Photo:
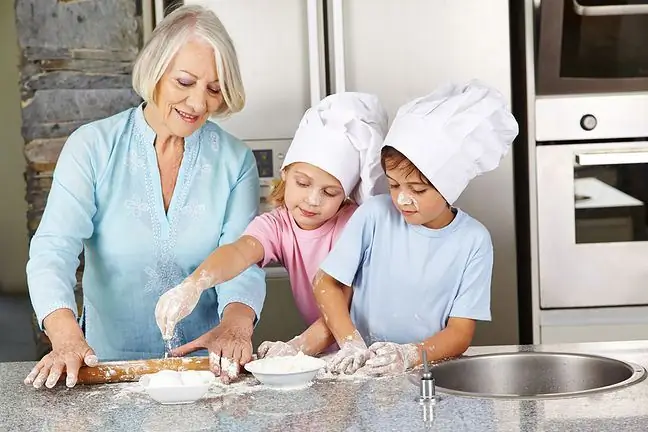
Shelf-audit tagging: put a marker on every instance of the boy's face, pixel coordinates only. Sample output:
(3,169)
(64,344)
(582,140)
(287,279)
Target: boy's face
(312,195)
(419,202)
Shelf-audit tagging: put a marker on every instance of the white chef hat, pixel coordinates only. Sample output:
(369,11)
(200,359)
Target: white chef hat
(343,135)
(454,134)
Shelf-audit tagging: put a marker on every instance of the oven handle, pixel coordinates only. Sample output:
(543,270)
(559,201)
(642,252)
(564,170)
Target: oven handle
(612,158)
(610,10)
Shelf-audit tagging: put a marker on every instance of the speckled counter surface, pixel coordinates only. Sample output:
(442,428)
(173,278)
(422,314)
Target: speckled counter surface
(385,404)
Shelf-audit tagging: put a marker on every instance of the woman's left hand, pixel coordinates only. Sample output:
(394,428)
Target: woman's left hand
(229,344)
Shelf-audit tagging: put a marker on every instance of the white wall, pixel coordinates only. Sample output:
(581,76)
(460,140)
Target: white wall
(13,225)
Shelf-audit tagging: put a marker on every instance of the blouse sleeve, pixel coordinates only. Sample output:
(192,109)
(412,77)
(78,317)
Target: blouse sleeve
(65,224)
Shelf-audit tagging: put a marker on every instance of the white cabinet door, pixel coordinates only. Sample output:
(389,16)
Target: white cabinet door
(271,38)
(402,49)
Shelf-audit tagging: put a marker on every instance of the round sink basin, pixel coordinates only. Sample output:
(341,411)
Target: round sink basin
(528,375)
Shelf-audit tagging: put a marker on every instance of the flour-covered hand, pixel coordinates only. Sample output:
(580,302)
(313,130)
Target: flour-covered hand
(174,305)
(390,358)
(65,358)
(278,349)
(229,345)
(352,356)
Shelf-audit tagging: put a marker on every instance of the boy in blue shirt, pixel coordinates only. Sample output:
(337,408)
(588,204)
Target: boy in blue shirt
(420,268)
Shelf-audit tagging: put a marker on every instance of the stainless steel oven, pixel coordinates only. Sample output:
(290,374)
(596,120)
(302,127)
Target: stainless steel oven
(592,46)
(593,223)
(591,154)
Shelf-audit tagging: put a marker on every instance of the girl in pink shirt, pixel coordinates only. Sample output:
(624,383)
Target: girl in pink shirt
(333,163)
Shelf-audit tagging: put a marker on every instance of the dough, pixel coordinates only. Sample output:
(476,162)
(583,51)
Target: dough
(194,378)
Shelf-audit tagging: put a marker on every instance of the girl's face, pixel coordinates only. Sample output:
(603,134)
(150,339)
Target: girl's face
(312,195)
(419,202)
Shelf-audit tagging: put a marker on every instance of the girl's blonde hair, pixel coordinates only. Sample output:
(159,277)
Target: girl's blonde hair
(170,35)
(277,198)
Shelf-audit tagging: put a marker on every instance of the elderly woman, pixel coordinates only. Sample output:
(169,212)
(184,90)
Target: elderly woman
(147,194)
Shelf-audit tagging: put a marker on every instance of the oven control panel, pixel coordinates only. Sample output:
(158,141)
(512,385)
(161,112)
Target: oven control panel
(269,155)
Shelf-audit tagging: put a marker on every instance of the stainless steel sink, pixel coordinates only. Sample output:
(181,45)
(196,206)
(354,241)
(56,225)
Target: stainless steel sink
(533,375)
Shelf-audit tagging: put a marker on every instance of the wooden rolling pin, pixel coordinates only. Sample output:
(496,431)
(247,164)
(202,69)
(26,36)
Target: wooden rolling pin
(132,370)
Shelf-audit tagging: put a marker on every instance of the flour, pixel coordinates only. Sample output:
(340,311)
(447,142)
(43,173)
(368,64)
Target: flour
(318,279)
(325,375)
(405,199)
(314,199)
(230,367)
(124,391)
(246,384)
(226,365)
(286,364)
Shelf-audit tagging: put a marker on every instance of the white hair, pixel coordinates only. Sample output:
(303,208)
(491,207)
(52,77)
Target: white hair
(167,39)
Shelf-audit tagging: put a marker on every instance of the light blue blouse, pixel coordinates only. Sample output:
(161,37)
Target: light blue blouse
(106,199)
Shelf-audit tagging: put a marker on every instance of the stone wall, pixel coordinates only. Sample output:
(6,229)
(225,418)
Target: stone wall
(76,60)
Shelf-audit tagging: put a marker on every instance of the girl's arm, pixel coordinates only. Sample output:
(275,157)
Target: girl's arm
(226,262)
(222,265)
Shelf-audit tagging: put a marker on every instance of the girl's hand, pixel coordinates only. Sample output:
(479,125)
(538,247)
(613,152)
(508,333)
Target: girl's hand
(174,305)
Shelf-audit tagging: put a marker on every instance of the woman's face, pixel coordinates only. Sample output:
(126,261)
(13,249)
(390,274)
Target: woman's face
(189,91)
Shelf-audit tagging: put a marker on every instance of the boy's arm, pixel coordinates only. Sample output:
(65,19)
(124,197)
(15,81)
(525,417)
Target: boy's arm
(334,303)
(336,274)
(450,342)
(393,358)
(334,307)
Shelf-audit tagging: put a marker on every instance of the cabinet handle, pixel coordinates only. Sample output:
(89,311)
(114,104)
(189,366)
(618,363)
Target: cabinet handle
(338,45)
(312,18)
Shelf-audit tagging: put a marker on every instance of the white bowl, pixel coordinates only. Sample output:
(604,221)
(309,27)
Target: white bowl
(171,387)
(286,373)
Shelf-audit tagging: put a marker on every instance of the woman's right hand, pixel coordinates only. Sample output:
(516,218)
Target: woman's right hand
(66,357)
(174,305)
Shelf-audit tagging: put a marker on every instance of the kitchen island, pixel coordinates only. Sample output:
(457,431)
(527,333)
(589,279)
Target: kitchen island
(347,404)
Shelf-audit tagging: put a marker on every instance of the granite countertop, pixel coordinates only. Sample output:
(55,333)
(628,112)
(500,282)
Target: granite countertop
(329,405)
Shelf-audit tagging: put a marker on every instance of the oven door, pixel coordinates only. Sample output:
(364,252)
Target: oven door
(592,224)
(592,46)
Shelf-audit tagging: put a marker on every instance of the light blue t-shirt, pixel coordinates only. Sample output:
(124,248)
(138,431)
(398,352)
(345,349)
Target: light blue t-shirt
(106,199)
(408,279)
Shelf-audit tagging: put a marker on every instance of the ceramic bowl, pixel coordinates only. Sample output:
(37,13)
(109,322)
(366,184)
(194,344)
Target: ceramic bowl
(188,386)
(286,373)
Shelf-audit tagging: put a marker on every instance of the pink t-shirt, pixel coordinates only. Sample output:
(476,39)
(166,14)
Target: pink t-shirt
(300,251)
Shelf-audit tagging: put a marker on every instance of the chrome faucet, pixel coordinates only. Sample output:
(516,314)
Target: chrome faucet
(427,390)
